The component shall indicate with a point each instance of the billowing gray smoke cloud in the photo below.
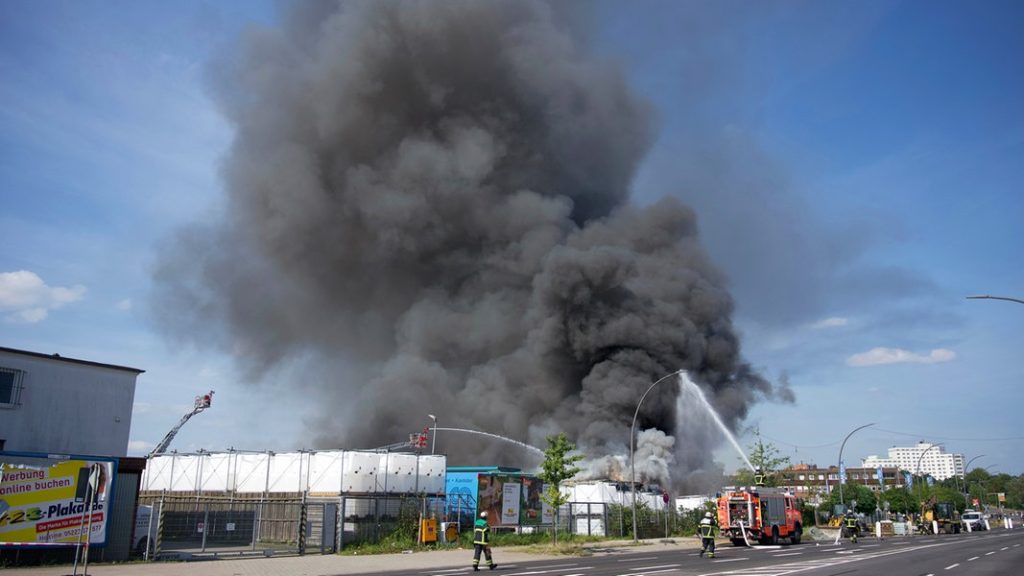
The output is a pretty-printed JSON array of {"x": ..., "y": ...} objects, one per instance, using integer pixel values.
[{"x": 428, "y": 213}]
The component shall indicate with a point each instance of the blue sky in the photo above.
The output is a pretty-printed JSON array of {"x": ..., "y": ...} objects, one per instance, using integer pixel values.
[{"x": 856, "y": 169}]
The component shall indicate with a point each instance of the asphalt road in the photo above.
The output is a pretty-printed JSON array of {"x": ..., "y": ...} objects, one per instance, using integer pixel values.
[{"x": 987, "y": 553}]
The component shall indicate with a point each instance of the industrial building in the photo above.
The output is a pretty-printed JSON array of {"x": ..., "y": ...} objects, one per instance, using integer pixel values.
[
  {"x": 49, "y": 403},
  {"x": 60, "y": 413}
]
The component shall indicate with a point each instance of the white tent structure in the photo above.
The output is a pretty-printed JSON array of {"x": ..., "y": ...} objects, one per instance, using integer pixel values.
[{"x": 318, "y": 473}]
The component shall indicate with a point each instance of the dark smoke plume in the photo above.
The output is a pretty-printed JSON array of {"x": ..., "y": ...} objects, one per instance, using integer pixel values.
[{"x": 428, "y": 212}]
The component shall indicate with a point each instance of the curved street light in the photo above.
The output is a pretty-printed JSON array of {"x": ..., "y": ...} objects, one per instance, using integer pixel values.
[
  {"x": 840, "y": 465},
  {"x": 987, "y": 297},
  {"x": 632, "y": 435},
  {"x": 921, "y": 457},
  {"x": 966, "y": 466},
  {"x": 433, "y": 437}
]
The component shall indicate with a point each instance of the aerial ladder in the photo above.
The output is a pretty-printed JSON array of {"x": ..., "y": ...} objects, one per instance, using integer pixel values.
[{"x": 202, "y": 403}]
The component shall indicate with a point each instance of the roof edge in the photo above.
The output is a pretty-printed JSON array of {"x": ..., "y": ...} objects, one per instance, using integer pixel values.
[{"x": 72, "y": 360}]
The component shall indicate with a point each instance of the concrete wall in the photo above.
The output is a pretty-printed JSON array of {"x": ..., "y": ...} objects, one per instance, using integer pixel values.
[{"x": 68, "y": 407}]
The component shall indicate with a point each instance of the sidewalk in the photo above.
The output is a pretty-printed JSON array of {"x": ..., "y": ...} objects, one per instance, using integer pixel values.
[{"x": 332, "y": 564}]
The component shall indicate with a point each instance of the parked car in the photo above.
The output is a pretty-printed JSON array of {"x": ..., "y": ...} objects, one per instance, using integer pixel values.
[{"x": 974, "y": 519}]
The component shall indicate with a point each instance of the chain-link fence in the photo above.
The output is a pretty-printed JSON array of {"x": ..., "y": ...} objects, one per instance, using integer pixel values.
[
  {"x": 371, "y": 519},
  {"x": 197, "y": 526},
  {"x": 204, "y": 525},
  {"x": 605, "y": 520}
]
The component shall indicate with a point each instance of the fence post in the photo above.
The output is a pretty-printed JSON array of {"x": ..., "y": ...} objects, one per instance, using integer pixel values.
[
  {"x": 590, "y": 519},
  {"x": 302, "y": 525},
  {"x": 256, "y": 514},
  {"x": 159, "y": 527},
  {"x": 149, "y": 530},
  {"x": 206, "y": 524},
  {"x": 341, "y": 525}
]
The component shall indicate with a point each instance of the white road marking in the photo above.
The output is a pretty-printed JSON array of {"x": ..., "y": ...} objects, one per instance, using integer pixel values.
[
  {"x": 646, "y": 568},
  {"x": 636, "y": 559},
  {"x": 990, "y": 553},
  {"x": 1003, "y": 548},
  {"x": 972, "y": 559},
  {"x": 729, "y": 560},
  {"x": 790, "y": 554},
  {"x": 951, "y": 566}
]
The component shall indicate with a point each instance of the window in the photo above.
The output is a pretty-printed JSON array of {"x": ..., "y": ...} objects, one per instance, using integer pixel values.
[{"x": 10, "y": 387}]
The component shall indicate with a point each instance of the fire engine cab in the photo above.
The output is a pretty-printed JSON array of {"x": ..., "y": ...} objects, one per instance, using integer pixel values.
[{"x": 767, "y": 515}]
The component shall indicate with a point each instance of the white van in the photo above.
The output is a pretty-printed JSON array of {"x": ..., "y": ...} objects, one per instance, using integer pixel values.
[
  {"x": 974, "y": 519},
  {"x": 145, "y": 531}
]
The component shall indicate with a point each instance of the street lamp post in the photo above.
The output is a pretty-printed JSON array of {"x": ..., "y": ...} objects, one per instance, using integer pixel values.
[
  {"x": 632, "y": 436},
  {"x": 921, "y": 457},
  {"x": 840, "y": 466},
  {"x": 433, "y": 437},
  {"x": 967, "y": 490},
  {"x": 987, "y": 297}
]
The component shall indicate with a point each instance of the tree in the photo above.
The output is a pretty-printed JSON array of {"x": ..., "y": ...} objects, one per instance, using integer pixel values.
[
  {"x": 900, "y": 500},
  {"x": 864, "y": 496},
  {"x": 558, "y": 466},
  {"x": 765, "y": 457}
]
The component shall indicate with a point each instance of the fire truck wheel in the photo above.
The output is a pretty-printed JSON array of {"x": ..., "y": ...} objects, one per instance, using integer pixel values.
[
  {"x": 773, "y": 540},
  {"x": 738, "y": 542},
  {"x": 795, "y": 537}
]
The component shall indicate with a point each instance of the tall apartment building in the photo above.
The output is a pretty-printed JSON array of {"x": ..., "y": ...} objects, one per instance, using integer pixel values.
[{"x": 924, "y": 458}]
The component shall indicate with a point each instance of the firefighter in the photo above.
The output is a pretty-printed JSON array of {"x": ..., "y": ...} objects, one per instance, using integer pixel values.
[
  {"x": 851, "y": 525},
  {"x": 482, "y": 542},
  {"x": 707, "y": 529}
]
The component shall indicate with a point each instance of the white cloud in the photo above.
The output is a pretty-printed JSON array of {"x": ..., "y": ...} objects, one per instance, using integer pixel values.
[
  {"x": 125, "y": 305},
  {"x": 140, "y": 447},
  {"x": 833, "y": 322},
  {"x": 28, "y": 299},
  {"x": 141, "y": 407},
  {"x": 877, "y": 356}
]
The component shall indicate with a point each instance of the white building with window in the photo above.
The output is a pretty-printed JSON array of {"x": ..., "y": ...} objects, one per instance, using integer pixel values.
[
  {"x": 932, "y": 459},
  {"x": 53, "y": 404}
]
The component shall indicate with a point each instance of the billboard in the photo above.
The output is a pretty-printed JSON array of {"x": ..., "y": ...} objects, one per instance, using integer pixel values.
[
  {"x": 461, "y": 489},
  {"x": 512, "y": 500},
  {"x": 48, "y": 500}
]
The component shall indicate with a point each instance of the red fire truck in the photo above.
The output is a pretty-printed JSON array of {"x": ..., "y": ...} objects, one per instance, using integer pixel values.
[{"x": 767, "y": 515}]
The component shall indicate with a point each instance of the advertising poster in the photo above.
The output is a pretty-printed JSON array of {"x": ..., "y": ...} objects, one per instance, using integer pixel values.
[
  {"x": 461, "y": 489},
  {"x": 51, "y": 501},
  {"x": 524, "y": 508},
  {"x": 489, "y": 496},
  {"x": 510, "y": 504},
  {"x": 533, "y": 507}
]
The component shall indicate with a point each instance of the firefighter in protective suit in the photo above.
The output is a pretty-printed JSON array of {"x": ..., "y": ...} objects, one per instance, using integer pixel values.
[
  {"x": 707, "y": 529},
  {"x": 482, "y": 542},
  {"x": 850, "y": 523}
]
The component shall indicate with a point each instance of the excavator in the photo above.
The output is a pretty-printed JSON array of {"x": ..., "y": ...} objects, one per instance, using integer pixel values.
[
  {"x": 939, "y": 517},
  {"x": 202, "y": 403}
]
